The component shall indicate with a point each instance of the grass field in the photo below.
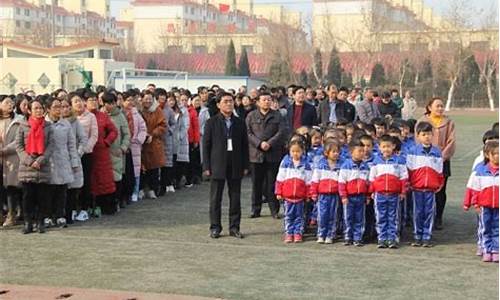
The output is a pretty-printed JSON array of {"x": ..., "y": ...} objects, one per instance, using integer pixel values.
[{"x": 163, "y": 246}]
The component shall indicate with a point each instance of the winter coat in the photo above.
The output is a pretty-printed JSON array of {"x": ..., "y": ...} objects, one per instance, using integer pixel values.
[
  {"x": 181, "y": 142},
  {"x": 194, "y": 126},
  {"x": 443, "y": 136},
  {"x": 81, "y": 145},
  {"x": 308, "y": 117},
  {"x": 168, "y": 137},
  {"x": 153, "y": 154},
  {"x": 26, "y": 172},
  {"x": 268, "y": 128},
  {"x": 343, "y": 110},
  {"x": 101, "y": 179},
  {"x": 137, "y": 139},
  {"x": 293, "y": 182},
  {"x": 89, "y": 124},
  {"x": 409, "y": 108},
  {"x": 389, "y": 109},
  {"x": 121, "y": 144},
  {"x": 8, "y": 157},
  {"x": 65, "y": 157},
  {"x": 367, "y": 111}
]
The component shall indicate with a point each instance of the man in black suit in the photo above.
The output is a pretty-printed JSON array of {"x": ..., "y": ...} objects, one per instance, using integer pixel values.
[
  {"x": 225, "y": 159},
  {"x": 301, "y": 113},
  {"x": 335, "y": 108}
]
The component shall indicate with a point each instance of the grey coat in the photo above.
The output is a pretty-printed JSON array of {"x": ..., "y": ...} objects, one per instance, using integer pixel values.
[
  {"x": 169, "y": 136},
  {"x": 181, "y": 141},
  {"x": 9, "y": 158},
  {"x": 203, "y": 117},
  {"x": 268, "y": 128},
  {"x": 65, "y": 157},
  {"x": 121, "y": 143},
  {"x": 26, "y": 172},
  {"x": 81, "y": 144},
  {"x": 367, "y": 111}
]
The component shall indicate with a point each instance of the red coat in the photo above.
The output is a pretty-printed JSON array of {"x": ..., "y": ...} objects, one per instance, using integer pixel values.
[
  {"x": 101, "y": 180},
  {"x": 194, "y": 126}
]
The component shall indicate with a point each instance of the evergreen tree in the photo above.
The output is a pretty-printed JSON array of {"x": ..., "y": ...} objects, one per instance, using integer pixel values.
[
  {"x": 279, "y": 71},
  {"x": 244, "y": 65},
  {"x": 334, "y": 73},
  {"x": 303, "y": 78},
  {"x": 346, "y": 79},
  {"x": 312, "y": 79},
  {"x": 426, "y": 72},
  {"x": 378, "y": 75},
  {"x": 230, "y": 69},
  {"x": 318, "y": 63}
]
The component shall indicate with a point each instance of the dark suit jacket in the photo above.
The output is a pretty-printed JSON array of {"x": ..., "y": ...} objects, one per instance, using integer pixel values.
[
  {"x": 215, "y": 154},
  {"x": 343, "y": 110},
  {"x": 308, "y": 118}
]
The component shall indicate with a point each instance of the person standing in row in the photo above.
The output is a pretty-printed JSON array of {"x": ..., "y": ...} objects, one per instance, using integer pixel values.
[
  {"x": 266, "y": 138},
  {"x": 225, "y": 159}
]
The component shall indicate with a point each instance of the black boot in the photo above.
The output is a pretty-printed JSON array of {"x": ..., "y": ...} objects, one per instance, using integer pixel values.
[
  {"x": 41, "y": 227},
  {"x": 28, "y": 228}
]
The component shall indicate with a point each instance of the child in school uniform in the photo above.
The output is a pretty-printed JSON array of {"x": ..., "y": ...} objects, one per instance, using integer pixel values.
[
  {"x": 388, "y": 180},
  {"x": 292, "y": 187},
  {"x": 482, "y": 193},
  {"x": 354, "y": 192},
  {"x": 425, "y": 167},
  {"x": 370, "y": 231},
  {"x": 314, "y": 154},
  {"x": 324, "y": 190}
]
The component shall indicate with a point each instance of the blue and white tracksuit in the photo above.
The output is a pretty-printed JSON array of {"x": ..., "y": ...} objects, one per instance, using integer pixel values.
[
  {"x": 388, "y": 180},
  {"x": 314, "y": 155},
  {"x": 353, "y": 184},
  {"x": 292, "y": 184},
  {"x": 324, "y": 186},
  {"x": 482, "y": 191},
  {"x": 425, "y": 167},
  {"x": 407, "y": 215}
]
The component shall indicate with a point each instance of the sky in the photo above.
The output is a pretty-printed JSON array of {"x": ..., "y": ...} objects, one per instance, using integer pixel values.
[{"x": 439, "y": 6}]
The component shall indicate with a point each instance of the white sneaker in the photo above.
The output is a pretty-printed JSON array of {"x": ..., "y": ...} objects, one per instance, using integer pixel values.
[
  {"x": 61, "y": 222},
  {"x": 171, "y": 189},
  {"x": 141, "y": 195},
  {"x": 152, "y": 195},
  {"x": 320, "y": 240},
  {"x": 188, "y": 185},
  {"x": 48, "y": 222},
  {"x": 328, "y": 241},
  {"x": 134, "y": 198},
  {"x": 82, "y": 216},
  {"x": 73, "y": 215}
]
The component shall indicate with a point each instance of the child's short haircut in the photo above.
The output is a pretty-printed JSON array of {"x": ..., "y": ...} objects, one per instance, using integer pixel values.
[
  {"x": 370, "y": 128},
  {"x": 329, "y": 133},
  {"x": 315, "y": 131},
  {"x": 378, "y": 122},
  {"x": 355, "y": 143},
  {"x": 330, "y": 144},
  {"x": 490, "y": 135},
  {"x": 360, "y": 124},
  {"x": 342, "y": 122},
  {"x": 412, "y": 123},
  {"x": 358, "y": 134},
  {"x": 424, "y": 127},
  {"x": 340, "y": 131},
  {"x": 488, "y": 148},
  {"x": 393, "y": 130},
  {"x": 402, "y": 124},
  {"x": 349, "y": 126},
  {"x": 365, "y": 137},
  {"x": 299, "y": 140},
  {"x": 302, "y": 130},
  {"x": 386, "y": 139}
]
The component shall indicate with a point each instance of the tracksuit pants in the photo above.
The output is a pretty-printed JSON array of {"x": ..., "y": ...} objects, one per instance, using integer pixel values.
[
  {"x": 387, "y": 216},
  {"x": 327, "y": 214},
  {"x": 489, "y": 222},
  {"x": 479, "y": 231},
  {"x": 424, "y": 210},
  {"x": 354, "y": 218},
  {"x": 294, "y": 217}
]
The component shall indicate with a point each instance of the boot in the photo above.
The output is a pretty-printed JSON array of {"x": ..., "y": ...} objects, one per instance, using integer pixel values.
[
  {"x": 28, "y": 228},
  {"x": 10, "y": 220},
  {"x": 41, "y": 227}
]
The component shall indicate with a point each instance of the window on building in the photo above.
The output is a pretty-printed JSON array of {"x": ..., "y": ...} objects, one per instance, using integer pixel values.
[
  {"x": 26, "y": 12},
  {"x": 389, "y": 47},
  {"x": 104, "y": 54},
  {"x": 107, "y": 7},
  {"x": 58, "y": 18},
  {"x": 419, "y": 47},
  {"x": 192, "y": 10},
  {"x": 27, "y": 25},
  {"x": 18, "y": 23},
  {"x": 480, "y": 45},
  {"x": 186, "y": 9},
  {"x": 18, "y": 11},
  {"x": 83, "y": 2},
  {"x": 200, "y": 49},
  {"x": 174, "y": 49}
]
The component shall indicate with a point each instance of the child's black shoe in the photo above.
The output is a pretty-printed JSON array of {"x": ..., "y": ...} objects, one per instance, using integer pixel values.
[
  {"x": 347, "y": 242},
  {"x": 416, "y": 243},
  {"x": 393, "y": 245},
  {"x": 358, "y": 243},
  {"x": 381, "y": 245},
  {"x": 427, "y": 244}
]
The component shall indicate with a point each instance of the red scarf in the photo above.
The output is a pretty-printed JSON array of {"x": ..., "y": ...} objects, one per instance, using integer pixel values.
[{"x": 36, "y": 136}]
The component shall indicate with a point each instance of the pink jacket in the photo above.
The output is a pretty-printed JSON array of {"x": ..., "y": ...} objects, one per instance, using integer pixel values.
[
  {"x": 137, "y": 139},
  {"x": 89, "y": 124},
  {"x": 443, "y": 137}
]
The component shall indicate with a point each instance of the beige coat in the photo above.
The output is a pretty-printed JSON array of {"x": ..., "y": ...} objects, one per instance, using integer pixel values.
[{"x": 443, "y": 136}]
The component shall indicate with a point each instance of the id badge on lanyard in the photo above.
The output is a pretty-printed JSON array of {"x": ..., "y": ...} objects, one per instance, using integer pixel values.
[{"x": 229, "y": 144}]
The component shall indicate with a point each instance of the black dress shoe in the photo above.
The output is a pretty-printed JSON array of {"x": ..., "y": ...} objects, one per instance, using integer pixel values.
[
  {"x": 254, "y": 215},
  {"x": 41, "y": 227},
  {"x": 438, "y": 225},
  {"x": 215, "y": 234},
  {"x": 28, "y": 228},
  {"x": 277, "y": 216},
  {"x": 236, "y": 234}
]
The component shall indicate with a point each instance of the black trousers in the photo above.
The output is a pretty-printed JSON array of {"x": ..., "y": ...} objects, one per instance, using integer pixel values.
[
  {"x": 234, "y": 193},
  {"x": 71, "y": 203},
  {"x": 194, "y": 166},
  {"x": 441, "y": 195},
  {"x": 180, "y": 169},
  {"x": 57, "y": 200},
  {"x": 35, "y": 201},
  {"x": 263, "y": 181},
  {"x": 152, "y": 179},
  {"x": 107, "y": 203},
  {"x": 128, "y": 179},
  {"x": 85, "y": 199},
  {"x": 14, "y": 196}
]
